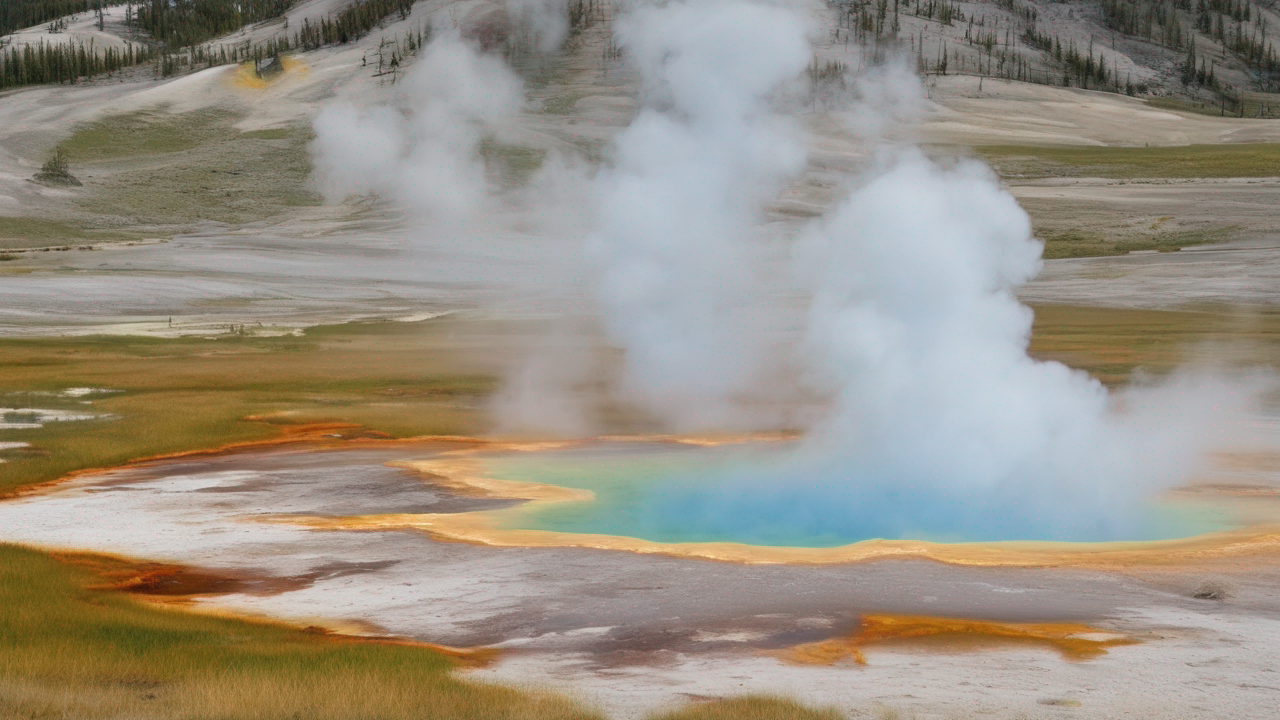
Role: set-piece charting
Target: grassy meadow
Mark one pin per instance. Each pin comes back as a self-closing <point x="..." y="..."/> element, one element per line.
<point x="1072" y="227"/>
<point x="171" y="170"/>
<point x="22" y="232"/>
<point x="754" y="708"/>
<point x="1112" y="344"/>
<point x="1256" y="105"/>
<point x="1083" y="243"/>
<point x="1239" y="160"/>
<point x="181" y="394"/>
<point x="153" y="173"/>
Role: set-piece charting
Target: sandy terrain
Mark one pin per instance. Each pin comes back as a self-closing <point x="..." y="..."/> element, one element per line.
<point x="633" y="632"/>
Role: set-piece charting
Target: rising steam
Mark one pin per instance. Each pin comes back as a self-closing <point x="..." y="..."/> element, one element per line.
<point x="678" y="211"/>
<point x="934" y="421"/>
<point x="424" y="155"/>
<point x="939" y="423"/>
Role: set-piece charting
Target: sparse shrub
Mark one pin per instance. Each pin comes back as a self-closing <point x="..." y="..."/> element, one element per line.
<point x="1210" y="590"/>
<point x="56" y="171"/>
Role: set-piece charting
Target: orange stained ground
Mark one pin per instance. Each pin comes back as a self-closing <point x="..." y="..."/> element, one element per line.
<point x="1075" y="641"/>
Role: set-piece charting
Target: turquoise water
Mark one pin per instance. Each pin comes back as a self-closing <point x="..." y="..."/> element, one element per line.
<point x="761" y="496"/>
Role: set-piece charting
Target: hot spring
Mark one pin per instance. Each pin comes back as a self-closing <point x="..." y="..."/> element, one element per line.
<point x="763" y="494"/>
<point x="886" y="326"/>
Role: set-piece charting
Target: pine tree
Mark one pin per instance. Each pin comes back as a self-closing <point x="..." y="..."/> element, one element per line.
<point x="1189" y="64"/>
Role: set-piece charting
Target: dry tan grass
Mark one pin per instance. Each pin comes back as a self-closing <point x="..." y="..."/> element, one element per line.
<point x="754" y="707"/>
<point x="1112" y="343"/>
<point x="1179" y="161"/>
<point x="397" y="379"/>
<point x="69" y="651"/>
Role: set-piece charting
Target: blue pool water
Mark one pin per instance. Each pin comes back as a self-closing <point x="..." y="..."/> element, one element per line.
<point x="760" y="495"/>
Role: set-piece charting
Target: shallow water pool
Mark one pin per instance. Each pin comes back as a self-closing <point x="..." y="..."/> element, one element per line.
<point x="759" y="494"/>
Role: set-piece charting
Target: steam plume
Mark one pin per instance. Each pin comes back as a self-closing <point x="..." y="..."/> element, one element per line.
<point x="424" y="155"/>
<point x="915" y="330"/>
<point x="677" y="211"/>
<point x="936" y="422"/>
<point x="940" y="423"/>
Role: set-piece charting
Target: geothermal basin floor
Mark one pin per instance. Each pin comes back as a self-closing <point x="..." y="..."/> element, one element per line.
<point x="631" y="633"/>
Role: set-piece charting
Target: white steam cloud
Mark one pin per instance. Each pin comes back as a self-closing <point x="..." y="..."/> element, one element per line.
<point x="424" y="155"/>
<point x="939" y="424"/>
<point x="542" y="24"/>
<point x="678" y="210"/>
<point x="934" y="420"/>
<point x="915" y="331"/>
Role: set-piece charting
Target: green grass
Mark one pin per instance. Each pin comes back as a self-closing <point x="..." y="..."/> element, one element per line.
<point x="1183" y="161"/>
<point x="517" y="162"/>
<point x="148" y="132"/>
<point x="70" y="650"/>
<point x="163" y="169"/>
<point x="1075" y="243"/>
<point x="190" y="393"/>
<point x="562" y="104"/>
<point x="269" y="134"/>
<point x="30" y="232"/>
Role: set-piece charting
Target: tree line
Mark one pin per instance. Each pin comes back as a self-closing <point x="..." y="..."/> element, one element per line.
<point x="19" y="14"/>
<point x="1232" y="23"/>
<point x="351" y="24"/>
<point x="182" y="23"/>
<point x="177" y="28"/>
<point x="66" y="62"/>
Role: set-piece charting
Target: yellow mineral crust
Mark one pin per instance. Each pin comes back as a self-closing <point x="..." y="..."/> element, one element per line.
<point x="484" y="528"/>
<point x="462" y="473"/>
<point x="245" y="76"/>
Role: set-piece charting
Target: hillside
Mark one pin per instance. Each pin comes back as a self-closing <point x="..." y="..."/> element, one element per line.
<point x="214" y="157"/>
<point x="1200" y="54"/>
